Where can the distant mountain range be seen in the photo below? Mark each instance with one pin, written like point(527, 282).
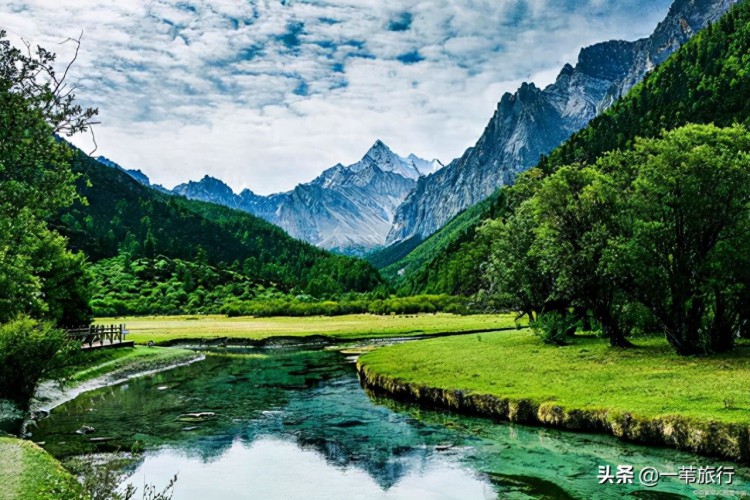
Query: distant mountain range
point(123, 218)
point(348, 209)
point(385, 199)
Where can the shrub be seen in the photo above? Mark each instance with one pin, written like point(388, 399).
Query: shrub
point(554, 328)
point(30, 350)
point(11, 417)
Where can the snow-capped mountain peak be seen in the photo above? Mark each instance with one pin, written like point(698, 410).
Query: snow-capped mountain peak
point(411, 167)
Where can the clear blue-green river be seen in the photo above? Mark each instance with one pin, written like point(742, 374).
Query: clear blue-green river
point(295, 423)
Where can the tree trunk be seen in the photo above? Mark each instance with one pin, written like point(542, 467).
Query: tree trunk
point(611, 329)
point(617, 338)
point(722, 331)
point(680, 346)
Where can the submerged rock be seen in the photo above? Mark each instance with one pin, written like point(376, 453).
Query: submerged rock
point(528, 485)
point(196, 417)
point(348, 423)
point(101, 439)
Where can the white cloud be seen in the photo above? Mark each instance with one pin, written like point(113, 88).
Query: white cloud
point(267, 94)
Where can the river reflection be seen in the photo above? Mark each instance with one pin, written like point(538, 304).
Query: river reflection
point(274, 468)
point(282, 423)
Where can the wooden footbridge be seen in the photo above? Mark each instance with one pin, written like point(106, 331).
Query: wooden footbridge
point(101, 336)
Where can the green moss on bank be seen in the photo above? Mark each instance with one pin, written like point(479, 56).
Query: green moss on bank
point(647, 394)
point(29, 473)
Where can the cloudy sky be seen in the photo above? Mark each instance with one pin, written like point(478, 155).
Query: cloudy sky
point(267, 94)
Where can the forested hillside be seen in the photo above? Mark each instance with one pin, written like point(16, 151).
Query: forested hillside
point(706, 81)
point(405, 262)
point(122, 217)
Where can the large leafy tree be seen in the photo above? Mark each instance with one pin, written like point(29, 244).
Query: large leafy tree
point(577, 208)
point(37, 274)
point(685, 241)
point(662, 229)
point(514, 275)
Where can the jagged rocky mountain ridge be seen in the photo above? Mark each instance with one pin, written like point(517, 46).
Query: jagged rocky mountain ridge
point(534, 121)
point(136, 174)
point(348, 209)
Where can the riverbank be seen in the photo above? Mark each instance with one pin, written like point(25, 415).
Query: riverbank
point(167, 330)
point(647, 395)
point(30, 473)
point(109, 367)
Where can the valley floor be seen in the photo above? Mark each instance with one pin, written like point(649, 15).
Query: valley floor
point(167, 329)
point(646, 394)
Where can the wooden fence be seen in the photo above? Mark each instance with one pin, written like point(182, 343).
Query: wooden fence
point(99, 334)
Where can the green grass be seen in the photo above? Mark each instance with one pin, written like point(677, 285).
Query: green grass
point(165, 329)
point(29, 473)
point(125, 361)
point(649, 381)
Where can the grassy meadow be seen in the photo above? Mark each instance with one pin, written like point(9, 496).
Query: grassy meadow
point(648, 381)
point(166, 329)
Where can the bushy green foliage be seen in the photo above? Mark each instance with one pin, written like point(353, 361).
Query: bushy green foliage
point(38, 275)
point(554, 328)
point(165, 286)
point(29, 350)
point(419, 304)
point(174, 286)
point(265, 307)
point(681, 243)
point(662, 227)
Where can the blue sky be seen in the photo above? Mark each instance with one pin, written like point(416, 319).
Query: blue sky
point(268, 94)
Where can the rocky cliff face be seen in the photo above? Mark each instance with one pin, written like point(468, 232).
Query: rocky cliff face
point(347, 208)
point(534, 121)
point(208, 189)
